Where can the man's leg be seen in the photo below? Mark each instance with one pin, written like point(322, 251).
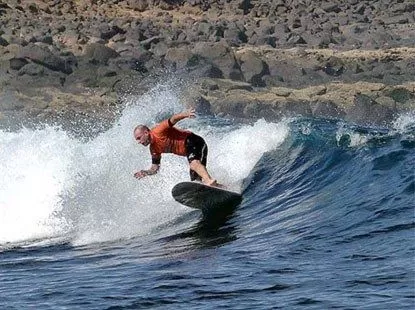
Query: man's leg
point(194, 176)
point(197, 152)
point(201, 170)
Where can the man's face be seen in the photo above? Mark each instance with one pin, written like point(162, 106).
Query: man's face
point(142, 137)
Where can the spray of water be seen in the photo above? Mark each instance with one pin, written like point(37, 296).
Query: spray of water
point(35, 169)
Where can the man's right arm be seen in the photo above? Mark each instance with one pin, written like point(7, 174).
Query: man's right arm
point(155, 165)
point(143, 173)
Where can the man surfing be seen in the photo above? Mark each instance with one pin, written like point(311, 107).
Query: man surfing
point(165, 138)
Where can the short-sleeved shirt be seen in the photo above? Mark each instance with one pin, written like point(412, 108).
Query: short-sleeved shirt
point(167, 139)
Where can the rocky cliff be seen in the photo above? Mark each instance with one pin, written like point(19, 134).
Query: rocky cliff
point(344, 59)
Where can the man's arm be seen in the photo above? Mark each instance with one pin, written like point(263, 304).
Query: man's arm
point(143, 173)
point(178, 117)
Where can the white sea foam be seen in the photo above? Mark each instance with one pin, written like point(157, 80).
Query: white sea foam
point(34, 166)
point(53, 185)
point(405, 122)
point(349, 136)
point(234, 153)
point(354, 139)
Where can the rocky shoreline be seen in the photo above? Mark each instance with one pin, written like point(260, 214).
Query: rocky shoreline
point(353, 60)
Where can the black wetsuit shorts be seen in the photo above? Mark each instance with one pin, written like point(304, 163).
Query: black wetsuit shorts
point(196, 148)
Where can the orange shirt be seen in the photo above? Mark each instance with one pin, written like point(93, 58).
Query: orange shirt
point(167, 139)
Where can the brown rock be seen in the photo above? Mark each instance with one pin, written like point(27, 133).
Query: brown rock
point(221, 57)
point(99, 53)
point(178, 57)
point(253, 67)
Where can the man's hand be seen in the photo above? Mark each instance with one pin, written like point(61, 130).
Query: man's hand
point(143, 173)
point(191, 113)
point(178, 117)
point(140, 174)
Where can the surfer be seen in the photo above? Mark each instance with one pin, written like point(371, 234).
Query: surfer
point(165, 138)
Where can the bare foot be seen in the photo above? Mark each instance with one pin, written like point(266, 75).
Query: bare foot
point(214, 183)
point(211, 182)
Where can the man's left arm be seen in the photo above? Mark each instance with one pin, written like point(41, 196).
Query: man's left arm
point(178, 117)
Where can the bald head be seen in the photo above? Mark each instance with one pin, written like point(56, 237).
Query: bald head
point(140, 129)
point(142, 135)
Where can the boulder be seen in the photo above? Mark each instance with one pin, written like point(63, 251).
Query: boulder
point(235, 35)
point(366, 111)
point(17, 63)
point(220, 57)
point(99, 54)
point(138, 5)
point(227, 85)
point(253, 67)
point(327, 109)
point(178, 57)
point(400, 95)
point(3, 41)
point(292, 108)
point(43, 56)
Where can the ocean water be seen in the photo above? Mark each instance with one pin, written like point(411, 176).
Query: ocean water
point(326, 221)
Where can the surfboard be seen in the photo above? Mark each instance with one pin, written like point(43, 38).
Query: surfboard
point(206, 198)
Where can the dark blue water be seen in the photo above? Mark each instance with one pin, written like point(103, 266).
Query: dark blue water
point(326, 222)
